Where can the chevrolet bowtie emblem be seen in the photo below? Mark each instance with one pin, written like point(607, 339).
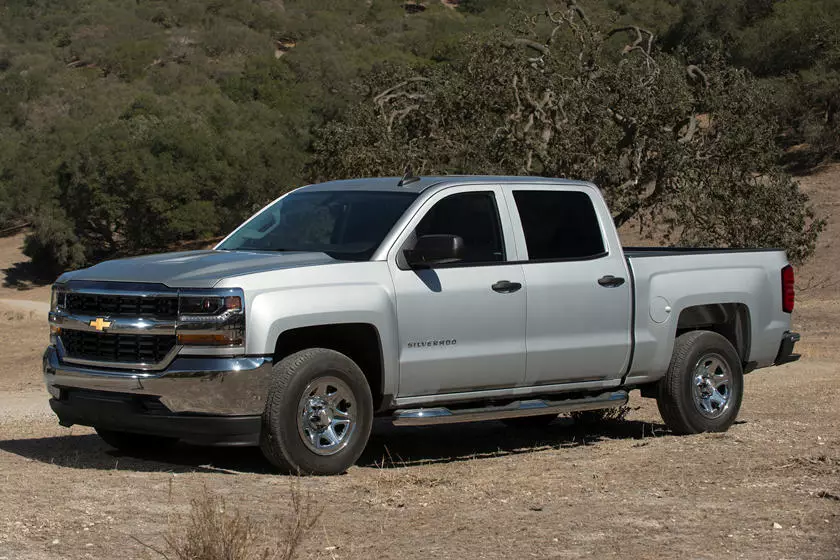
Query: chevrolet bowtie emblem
point(100, 324)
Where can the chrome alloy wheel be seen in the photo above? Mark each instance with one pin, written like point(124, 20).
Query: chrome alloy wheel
point(326, 415)
point(712, 385)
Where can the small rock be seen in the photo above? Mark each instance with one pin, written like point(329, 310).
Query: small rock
point(55, 541)
point(776, 525)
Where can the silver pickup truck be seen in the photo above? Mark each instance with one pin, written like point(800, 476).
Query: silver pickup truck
point(430, 300)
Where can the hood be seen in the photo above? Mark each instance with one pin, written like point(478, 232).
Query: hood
point(195, 269)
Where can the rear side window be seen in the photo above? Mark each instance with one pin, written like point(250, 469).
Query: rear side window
point(559, 225)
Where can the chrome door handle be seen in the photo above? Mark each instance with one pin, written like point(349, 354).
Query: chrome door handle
point(610, 281)
point(506, 287)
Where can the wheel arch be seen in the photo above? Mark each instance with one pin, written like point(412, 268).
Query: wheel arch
point(730, 320)
point(361, 342)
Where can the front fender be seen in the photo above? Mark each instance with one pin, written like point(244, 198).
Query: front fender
point(272, 313)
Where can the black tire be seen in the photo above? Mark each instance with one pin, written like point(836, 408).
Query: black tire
point(679, 398)
point(135, 443)
point(529, 422)
point(282, 438)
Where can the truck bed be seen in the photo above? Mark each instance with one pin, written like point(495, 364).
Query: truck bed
point(700, 278)
point(641, 252)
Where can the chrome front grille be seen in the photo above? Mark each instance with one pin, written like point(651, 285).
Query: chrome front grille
point(117, 348)
point(159, 307)
point(116, 325)
point(142, 326)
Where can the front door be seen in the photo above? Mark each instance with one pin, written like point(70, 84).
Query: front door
point(461, 325)
point(579, 289)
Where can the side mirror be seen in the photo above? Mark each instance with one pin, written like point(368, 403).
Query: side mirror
point(434, 249)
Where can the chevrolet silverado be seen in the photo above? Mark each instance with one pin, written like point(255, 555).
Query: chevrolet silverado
point(429, 300)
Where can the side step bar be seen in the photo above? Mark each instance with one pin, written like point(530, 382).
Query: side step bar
point(535, 407)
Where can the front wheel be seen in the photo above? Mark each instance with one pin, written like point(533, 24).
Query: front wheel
point(318, 414)
point(704, 385)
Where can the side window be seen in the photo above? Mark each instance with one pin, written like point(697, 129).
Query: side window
point(559, 225)
point(474, 217)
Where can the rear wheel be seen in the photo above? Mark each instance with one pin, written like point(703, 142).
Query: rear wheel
point(704, 385)
point(318, 414)
point(135, 443)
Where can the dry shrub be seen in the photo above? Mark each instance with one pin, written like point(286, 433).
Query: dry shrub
point(604, 415)
point(213, 531)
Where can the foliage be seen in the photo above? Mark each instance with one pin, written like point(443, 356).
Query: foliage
point(794, 46)
point(52, 246)
point(185, 173)
point(666, 142)
point(128, 125)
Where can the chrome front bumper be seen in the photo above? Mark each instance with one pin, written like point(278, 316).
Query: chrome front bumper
point(219, 386)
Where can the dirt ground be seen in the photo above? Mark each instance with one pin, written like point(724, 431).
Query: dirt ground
point(768, 488)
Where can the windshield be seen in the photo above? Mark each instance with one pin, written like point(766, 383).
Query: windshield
point(346, 225)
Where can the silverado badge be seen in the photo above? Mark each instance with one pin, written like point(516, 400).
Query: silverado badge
point(100, 324)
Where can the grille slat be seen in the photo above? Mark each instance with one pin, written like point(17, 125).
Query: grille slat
point(123, 348)
point(164, 307)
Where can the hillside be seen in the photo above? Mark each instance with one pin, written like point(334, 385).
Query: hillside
point(187, 115)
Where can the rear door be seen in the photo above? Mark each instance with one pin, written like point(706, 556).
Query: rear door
point(460, 328)
point(579, 291)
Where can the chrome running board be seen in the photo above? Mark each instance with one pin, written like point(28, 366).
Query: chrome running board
point(534, 407)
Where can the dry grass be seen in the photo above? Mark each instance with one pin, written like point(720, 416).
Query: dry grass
point(616, 414)
point(23, 336)
point(214, 531)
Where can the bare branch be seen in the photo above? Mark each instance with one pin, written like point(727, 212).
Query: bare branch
point(642, 43)
point(694, 73)
point(150, 547)
point(573, 7)
point(384, 96)
point(689, 134)
point(532, 44)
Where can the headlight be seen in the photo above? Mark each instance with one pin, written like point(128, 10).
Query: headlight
point(211, 318)
point(57, 297)
point(209, 305)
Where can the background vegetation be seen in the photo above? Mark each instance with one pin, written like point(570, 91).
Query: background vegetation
point(129, 125)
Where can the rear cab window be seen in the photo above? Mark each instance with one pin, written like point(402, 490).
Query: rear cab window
point(559, 225)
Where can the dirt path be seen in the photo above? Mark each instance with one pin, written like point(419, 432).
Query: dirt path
point(17, 406)
point(768, 488)
point(26, 305)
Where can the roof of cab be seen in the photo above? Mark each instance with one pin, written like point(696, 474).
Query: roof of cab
point(420, 184)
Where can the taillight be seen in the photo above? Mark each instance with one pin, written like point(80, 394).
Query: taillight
point(788, 293)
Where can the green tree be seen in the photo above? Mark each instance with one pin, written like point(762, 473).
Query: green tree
point(667, 142)
point(163, 172)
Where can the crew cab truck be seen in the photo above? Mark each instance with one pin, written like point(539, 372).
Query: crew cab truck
point(427, 299)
